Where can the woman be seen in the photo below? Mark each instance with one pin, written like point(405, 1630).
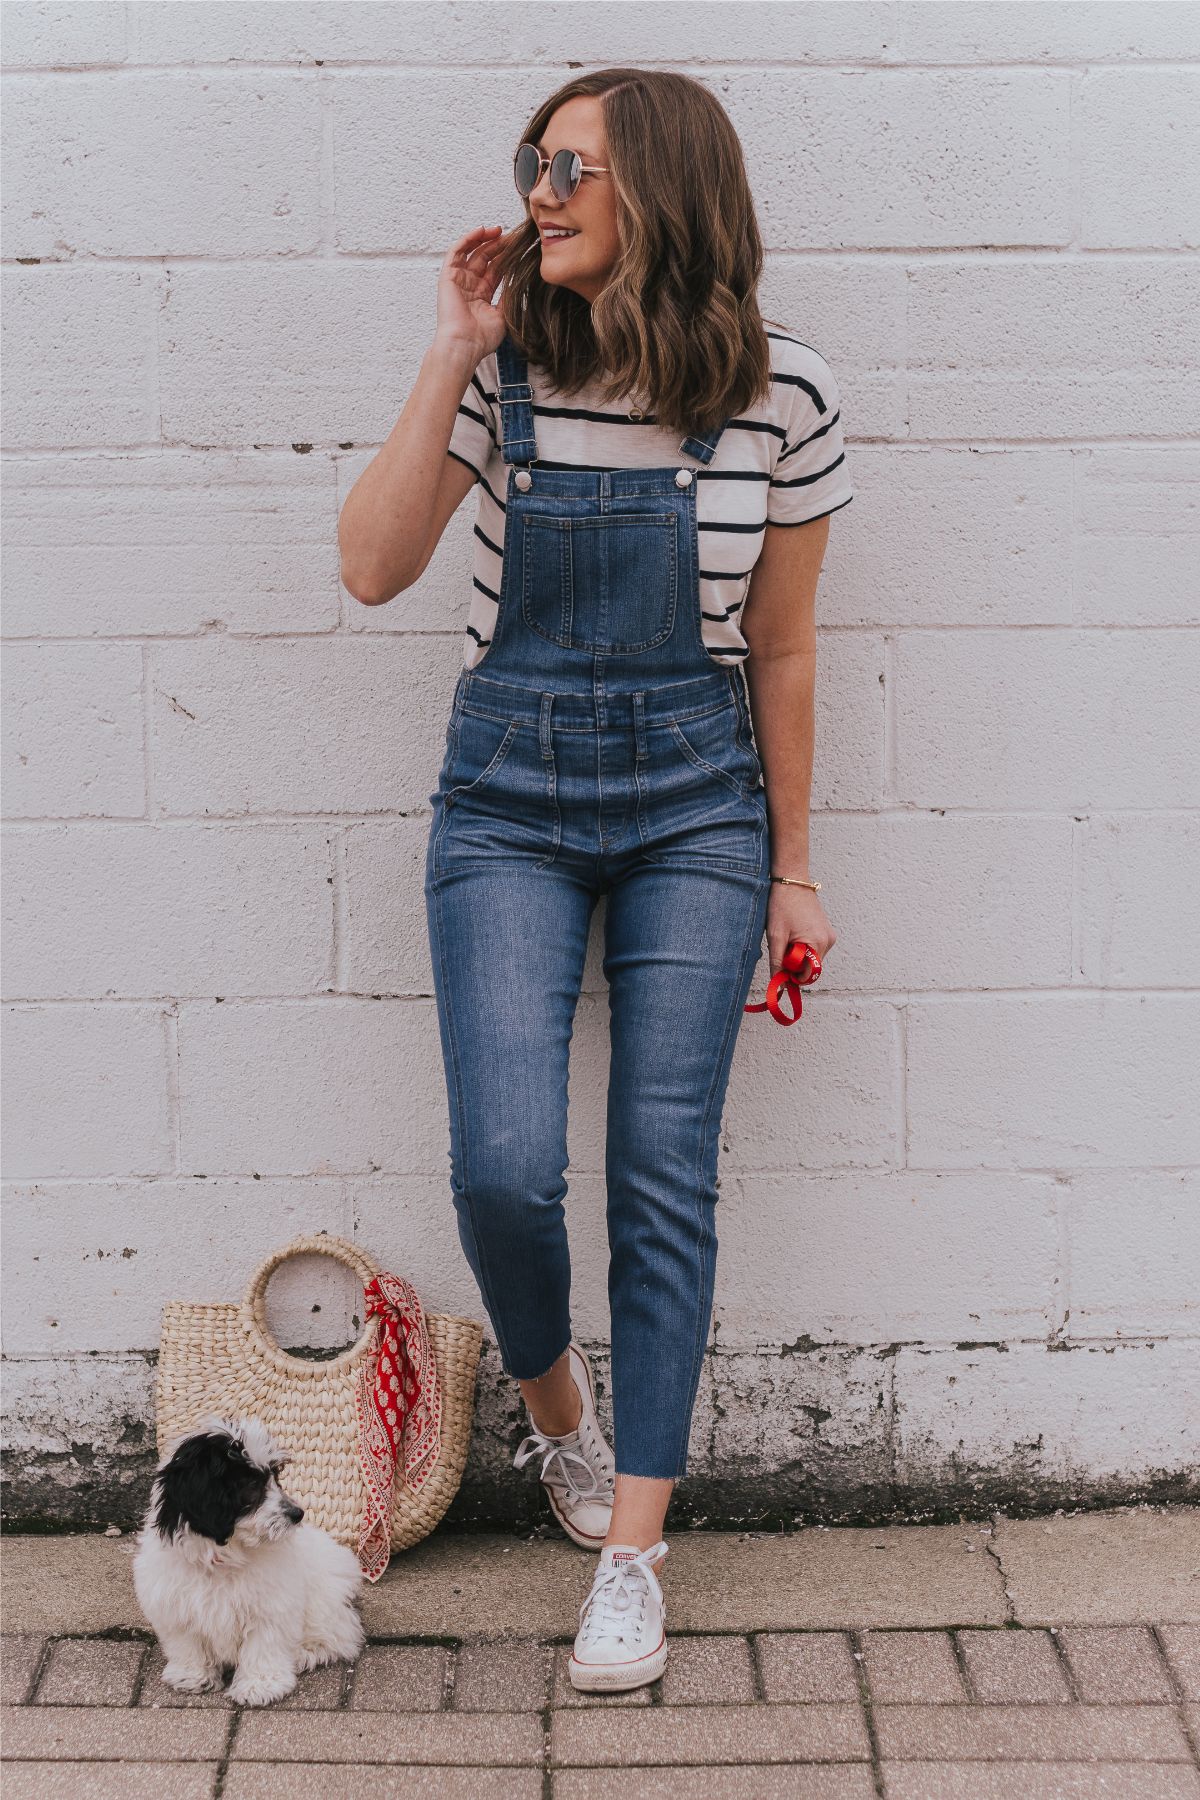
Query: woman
point(642, 444)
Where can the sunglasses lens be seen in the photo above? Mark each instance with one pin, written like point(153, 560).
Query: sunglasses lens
point(565, 167)
point(526, 166)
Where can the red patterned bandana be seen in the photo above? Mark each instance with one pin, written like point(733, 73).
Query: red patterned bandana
point(399, 1411)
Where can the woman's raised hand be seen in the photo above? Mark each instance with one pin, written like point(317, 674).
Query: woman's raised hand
point(466, 285)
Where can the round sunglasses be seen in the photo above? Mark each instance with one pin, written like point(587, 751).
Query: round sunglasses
point(566, 167)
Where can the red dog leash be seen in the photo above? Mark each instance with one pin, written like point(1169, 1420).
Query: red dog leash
point(789, 977)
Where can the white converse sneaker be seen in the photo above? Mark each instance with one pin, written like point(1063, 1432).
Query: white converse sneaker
point(578, 1470)
point(621, 1641)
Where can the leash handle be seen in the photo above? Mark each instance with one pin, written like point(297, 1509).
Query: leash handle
point(801, 966)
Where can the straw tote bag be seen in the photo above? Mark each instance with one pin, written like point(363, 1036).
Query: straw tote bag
point(221, 1359)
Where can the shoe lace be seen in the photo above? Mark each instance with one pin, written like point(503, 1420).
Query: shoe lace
point(556, 1469)
point(616, 1606)
point(600, 1457)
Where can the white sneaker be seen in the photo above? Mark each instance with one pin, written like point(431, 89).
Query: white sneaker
point(578, 1470)
point(621, 1641)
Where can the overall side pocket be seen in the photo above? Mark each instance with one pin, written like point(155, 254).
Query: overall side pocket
point(478, 746)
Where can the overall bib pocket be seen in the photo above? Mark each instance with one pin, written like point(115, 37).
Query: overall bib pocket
point(605, 584)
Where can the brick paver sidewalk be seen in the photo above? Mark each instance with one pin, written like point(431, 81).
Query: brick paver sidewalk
point(1043, 1659)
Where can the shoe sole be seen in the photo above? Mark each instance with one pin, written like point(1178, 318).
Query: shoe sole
point(582, 1538)
point(608, 1678)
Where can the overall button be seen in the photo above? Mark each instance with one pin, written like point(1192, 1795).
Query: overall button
point(683, 478)
point(524, 479)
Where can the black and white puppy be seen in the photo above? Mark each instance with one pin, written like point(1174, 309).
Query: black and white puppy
point(228, 1575)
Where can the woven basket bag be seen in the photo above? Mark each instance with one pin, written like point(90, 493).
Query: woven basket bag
point(222, 1359)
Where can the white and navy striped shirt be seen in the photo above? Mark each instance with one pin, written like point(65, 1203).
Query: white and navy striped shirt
point(782, 461)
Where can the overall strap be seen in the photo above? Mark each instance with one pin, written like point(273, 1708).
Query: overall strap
point(518, 440)
point(702, 448)
point(518, 443)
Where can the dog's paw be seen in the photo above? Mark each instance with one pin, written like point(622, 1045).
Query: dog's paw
point(314, 1656)
point(191, 1680)
point(260, 1690)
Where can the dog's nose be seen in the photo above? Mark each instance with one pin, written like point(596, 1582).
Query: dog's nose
point(294, 1513)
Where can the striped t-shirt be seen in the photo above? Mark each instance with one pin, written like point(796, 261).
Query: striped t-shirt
point(782, 461)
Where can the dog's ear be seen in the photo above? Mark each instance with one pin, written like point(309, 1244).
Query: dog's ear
point(199, 1487)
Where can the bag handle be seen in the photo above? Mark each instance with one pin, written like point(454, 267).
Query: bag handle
point(254, 1306)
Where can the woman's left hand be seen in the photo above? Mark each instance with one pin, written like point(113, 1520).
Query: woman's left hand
point(796, 912)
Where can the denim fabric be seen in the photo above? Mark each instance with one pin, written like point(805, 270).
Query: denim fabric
point(597, 749)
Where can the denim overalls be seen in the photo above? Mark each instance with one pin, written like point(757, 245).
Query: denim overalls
point(596, 749)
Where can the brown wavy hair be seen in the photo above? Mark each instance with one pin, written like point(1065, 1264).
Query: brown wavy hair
point(678, 322)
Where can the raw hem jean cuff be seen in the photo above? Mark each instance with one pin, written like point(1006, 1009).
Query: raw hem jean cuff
point(517, 1376)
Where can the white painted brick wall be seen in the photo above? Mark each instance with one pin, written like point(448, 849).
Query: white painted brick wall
point(960, 1223)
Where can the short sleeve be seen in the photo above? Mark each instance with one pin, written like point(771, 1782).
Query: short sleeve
point(810, 477)
point(473, 437)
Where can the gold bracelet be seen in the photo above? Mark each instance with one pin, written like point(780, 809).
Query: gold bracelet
point(790, 881)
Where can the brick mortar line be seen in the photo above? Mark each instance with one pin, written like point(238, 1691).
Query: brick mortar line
point(761, 1346)
point(337, 633)
point(337, 450)
point(309, 68)
point(327, 190)
point(153, 359)
point(899, 1030)
point(1076, 157)
point(1065, 252)
point(382, 633)
point(844, 997)
point(385, 815)
point(150, 450)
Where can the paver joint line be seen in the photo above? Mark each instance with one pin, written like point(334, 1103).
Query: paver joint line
point(1192, 1734)
point(40, 1670)
point(964, 1673)
point(1064, 1663)
point(227, 1754)
point(139, 1678)
point(858, 1651)
point(756, 1669)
